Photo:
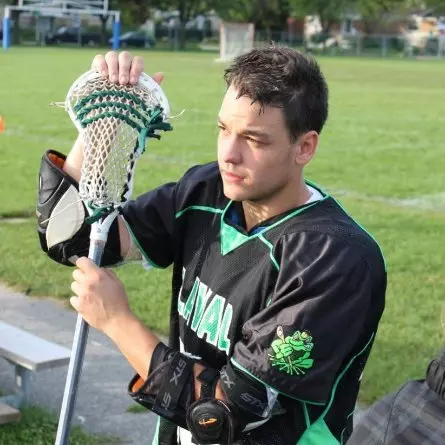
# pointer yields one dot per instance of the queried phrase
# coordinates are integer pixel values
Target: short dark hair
(279, 76)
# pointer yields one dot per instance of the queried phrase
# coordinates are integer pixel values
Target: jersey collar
(234, 236)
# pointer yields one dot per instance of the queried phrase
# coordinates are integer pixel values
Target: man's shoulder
(201, 185)
(202, 173)
(327, 227)
(327, 219)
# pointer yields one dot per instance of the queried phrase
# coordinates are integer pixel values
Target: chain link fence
(166, 38)
(376, 45)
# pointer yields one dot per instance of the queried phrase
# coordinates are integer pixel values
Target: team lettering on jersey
(208, 314)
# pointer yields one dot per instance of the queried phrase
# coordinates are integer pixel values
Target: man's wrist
(119, 323)
(74, 160)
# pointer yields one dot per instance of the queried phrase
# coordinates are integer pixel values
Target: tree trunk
(326, 25)
(103, 29)
(182, 36)
(183, 18)
(15, 17)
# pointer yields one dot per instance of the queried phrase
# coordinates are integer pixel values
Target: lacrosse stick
(115, 122)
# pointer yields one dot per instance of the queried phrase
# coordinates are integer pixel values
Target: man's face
(256, 156)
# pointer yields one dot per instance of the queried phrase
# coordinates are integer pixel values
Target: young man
(276, 294)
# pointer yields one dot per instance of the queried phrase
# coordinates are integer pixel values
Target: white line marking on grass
(435, 202)
(189, 159)
(60, 141)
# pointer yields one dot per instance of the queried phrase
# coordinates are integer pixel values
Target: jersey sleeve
(150, 218)
(301, 341)
(150, 221)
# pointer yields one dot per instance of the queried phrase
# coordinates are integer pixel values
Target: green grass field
(37, 427)
(381, 154)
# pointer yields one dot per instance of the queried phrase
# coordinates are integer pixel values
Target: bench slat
(30, 351)
(8, 414)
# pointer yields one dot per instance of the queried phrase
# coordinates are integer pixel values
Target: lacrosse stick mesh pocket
(115, 121)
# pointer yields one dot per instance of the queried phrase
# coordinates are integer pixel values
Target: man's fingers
(75, 287)
(124, 67)
(110, 273)
(99, 64)
(75, 302)
(158, 78)
(112, 62)
(137, 68)
(86, 265)
(78, 276)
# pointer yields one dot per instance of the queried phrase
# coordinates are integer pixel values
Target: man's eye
(255, 141)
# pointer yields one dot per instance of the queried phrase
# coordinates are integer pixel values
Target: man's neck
(257, 211)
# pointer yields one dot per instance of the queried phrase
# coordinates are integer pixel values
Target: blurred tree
(187, 9)
(265, 14)
(436, 7)
(328, 11)
(374, 13)
(134, 12)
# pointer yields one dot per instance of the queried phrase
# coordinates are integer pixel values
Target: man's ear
(306, 146)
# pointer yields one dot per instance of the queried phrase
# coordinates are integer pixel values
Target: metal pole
(116, 31)
(7, 29)
(76, 360)
(384, 46)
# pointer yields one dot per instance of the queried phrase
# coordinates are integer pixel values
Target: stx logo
(225, 378)
(253, 401)
(178, 371)
(166, 400)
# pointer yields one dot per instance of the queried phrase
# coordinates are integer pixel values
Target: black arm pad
(63, 232)
(247, 395)
(169, 389)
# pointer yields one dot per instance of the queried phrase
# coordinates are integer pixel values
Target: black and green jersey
(294, 303)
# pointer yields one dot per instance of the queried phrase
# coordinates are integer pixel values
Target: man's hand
(121, 68)
(101, 298)
(197, 369)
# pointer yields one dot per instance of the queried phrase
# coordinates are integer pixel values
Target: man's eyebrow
(256, 133)
(247, 131)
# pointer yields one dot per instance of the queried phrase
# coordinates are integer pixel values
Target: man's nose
(232, 150)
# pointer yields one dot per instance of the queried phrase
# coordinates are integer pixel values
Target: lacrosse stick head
(115, 121)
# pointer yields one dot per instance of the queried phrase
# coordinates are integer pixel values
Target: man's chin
(235, 193)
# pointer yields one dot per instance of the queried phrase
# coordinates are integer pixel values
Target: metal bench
(28, 353)
(8, 414)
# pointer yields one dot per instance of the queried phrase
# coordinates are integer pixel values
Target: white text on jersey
(212, 320)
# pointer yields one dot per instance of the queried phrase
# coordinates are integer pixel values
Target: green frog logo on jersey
(292, 353)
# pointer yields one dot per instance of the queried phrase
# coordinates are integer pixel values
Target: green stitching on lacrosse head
(104, 93)
(85, 110)
(98, 213)
(151, 125)
(156, 123)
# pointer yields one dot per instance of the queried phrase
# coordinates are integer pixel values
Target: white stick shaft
(99, 233)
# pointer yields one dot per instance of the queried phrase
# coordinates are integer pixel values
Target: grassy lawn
(36, 427)
(381, 154)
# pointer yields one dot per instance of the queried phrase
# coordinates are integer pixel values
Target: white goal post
(235, 38)
(61, 8)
